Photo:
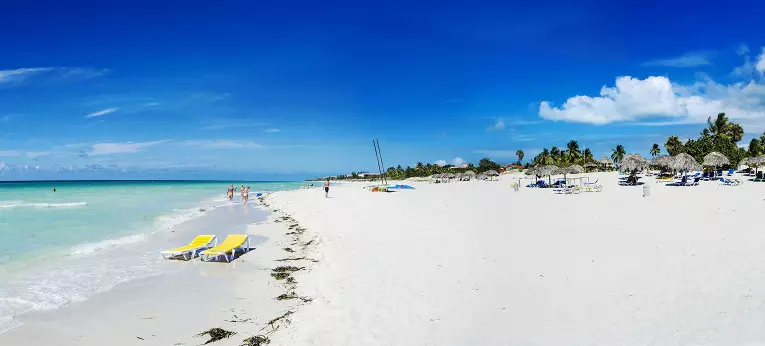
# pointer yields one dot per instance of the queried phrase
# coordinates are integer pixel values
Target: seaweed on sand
(216, 334)
(285, 269)
(256, 341)
(277, 322)
(288, 249)
(280, 276)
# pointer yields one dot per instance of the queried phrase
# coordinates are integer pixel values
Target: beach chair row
(206, 246)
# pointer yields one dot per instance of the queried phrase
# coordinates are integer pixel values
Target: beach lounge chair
(189, 251)
(228, 246)
(730, 172)
(730, 182)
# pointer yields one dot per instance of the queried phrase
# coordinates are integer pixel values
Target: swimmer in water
(54, 189)
(231, 192)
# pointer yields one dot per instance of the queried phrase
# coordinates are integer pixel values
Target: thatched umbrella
(491, 173)
(633, 163)
(548, 170)
(471, 173)
(532, 171)
(715, 159)
(573, 169)
(662, 161)
(606, 161)
(685, 162)
(591, 165)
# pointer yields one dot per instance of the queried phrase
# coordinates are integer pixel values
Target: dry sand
(471, 263)
(478, 264)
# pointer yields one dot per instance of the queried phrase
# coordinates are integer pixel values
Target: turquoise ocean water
(47, 238)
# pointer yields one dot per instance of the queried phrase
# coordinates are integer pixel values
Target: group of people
(244, 191)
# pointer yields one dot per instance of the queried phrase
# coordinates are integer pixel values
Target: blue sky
(266, 91)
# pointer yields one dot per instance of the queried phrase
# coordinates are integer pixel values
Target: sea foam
(22, 204)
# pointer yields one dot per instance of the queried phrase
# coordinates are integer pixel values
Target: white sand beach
(468, 263)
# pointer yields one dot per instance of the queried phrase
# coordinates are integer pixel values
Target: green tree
(673, 146)
(755, 147)
(573, 151)
(618, 154)
(486, 164)
(520, 154)
(719, 126)
(655, 150)
(588, 157)
(735, 132)
(555, 154)
(544, 158)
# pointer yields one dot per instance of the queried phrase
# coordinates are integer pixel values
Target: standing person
(326, 188)
(246, 194)
(230, 192)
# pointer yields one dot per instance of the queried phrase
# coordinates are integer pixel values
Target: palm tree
(618, 154)
(735, 132)
(655, 150)
(573, 151)
(588, 157)
(519, 153)
(555, 154)
(673, 145)
(544, 158)
(719, 125)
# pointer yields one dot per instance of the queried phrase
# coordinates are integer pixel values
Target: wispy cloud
(222, 124)
(20, 74)
(501, 154)
(693, 59)
(102, 112)
(498, 125)
(272, 130)
(151, 104)
(50, 74)
(121, 148)
(224, 144)
(458, 161)
(523, 138)
(10, 153)
(440, 162)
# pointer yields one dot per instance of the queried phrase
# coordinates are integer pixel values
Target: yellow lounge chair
(230, 244)
(199, 243)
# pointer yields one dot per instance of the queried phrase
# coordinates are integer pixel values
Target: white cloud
(441, 162)
(458, 161)
(151, 104)
(499, 125)
(102, 112)
(36, 154)
(120, 148)
(686, 60)
(19, 74)
(634, 99)
(272, 130)
(224, 144)
(761, 62)
(50, 73)
(10, 153)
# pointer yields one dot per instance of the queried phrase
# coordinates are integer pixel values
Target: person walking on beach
(230, 192)
(326, 188)
(245, 194)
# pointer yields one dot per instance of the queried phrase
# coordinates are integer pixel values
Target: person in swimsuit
(326, 188)
(231, 192)
(246, 194)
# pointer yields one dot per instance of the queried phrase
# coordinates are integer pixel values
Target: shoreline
(238, 296)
